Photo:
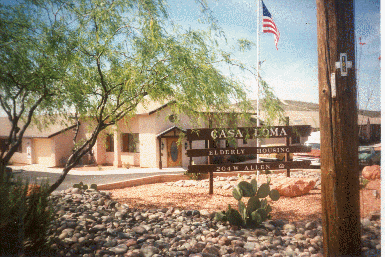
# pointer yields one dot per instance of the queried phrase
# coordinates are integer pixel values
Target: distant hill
(292, 105)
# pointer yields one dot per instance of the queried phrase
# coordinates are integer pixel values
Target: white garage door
(43, 150)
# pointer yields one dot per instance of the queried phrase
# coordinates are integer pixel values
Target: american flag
(268, 25)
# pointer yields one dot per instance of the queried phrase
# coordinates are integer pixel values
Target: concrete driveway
(38, 174)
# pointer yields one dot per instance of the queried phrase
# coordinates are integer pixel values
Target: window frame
(130, 143)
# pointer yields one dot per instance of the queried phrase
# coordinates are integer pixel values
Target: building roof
(33, 131)
(173, 128)
(149, 107)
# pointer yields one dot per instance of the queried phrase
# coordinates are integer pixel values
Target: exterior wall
(63, 144)
(130, 159)
(22, 157)
(149, 126)
(99, 149)
(109, 158)
(163, 123)
(129, 126)
(116, 158)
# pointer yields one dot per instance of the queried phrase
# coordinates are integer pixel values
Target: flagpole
(258, 122)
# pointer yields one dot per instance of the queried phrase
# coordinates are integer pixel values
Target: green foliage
(245, 44)
(263, 191)
(246, 189)
(363, 182)
(236, 158)
(84, 186)
(271, 105)
(25, 219)
(237, 193)
(196, 176)
(257, 209)
(103, 60)
(35, 52)
(234, 217)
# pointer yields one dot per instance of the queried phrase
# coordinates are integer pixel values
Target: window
(110, 143)
(130, 142)
(20, 148)
(172, 118)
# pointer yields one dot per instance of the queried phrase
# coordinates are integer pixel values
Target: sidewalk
(95, 170)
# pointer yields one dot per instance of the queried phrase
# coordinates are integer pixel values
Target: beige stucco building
(50, 146)
(149, 139)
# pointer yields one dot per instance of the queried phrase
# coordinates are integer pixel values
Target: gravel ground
(90, 223)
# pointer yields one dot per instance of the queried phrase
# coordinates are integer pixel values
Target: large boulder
(372, 172)
(292, 187)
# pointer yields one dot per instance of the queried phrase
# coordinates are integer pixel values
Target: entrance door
(174, 153)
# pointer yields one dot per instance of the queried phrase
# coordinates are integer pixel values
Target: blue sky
(292, 71)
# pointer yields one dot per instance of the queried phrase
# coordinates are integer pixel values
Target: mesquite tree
(120, 54)
(35, 51)
(130, 51)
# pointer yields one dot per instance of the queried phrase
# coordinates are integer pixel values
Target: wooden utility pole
(339, 129)
(287, 142)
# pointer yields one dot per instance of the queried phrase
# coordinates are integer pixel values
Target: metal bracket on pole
(344, 64)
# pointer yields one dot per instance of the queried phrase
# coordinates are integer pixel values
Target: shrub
(256, 211)
(251, 157)
(363, 182)
(84, 186)
(217, 159)
(25, 217)
(194, 176)
(236, 158)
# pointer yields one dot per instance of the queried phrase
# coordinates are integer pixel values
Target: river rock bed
(88, 223)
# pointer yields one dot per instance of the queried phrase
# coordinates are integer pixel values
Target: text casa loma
(237, 133)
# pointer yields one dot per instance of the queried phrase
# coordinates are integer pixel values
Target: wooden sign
(213, 134)
(248, 166)
(247, 132)
(247, 150)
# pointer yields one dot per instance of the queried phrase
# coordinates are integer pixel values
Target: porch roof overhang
(173, 128)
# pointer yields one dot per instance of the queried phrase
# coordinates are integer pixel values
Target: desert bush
(257, 209)
(194, 176)
(363, 182)
(236, 158)
(25, 218)
(84, 186)
(218, 160)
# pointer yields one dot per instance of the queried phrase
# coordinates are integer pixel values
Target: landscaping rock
(91, 227)
(372, 172)
(293, 187)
